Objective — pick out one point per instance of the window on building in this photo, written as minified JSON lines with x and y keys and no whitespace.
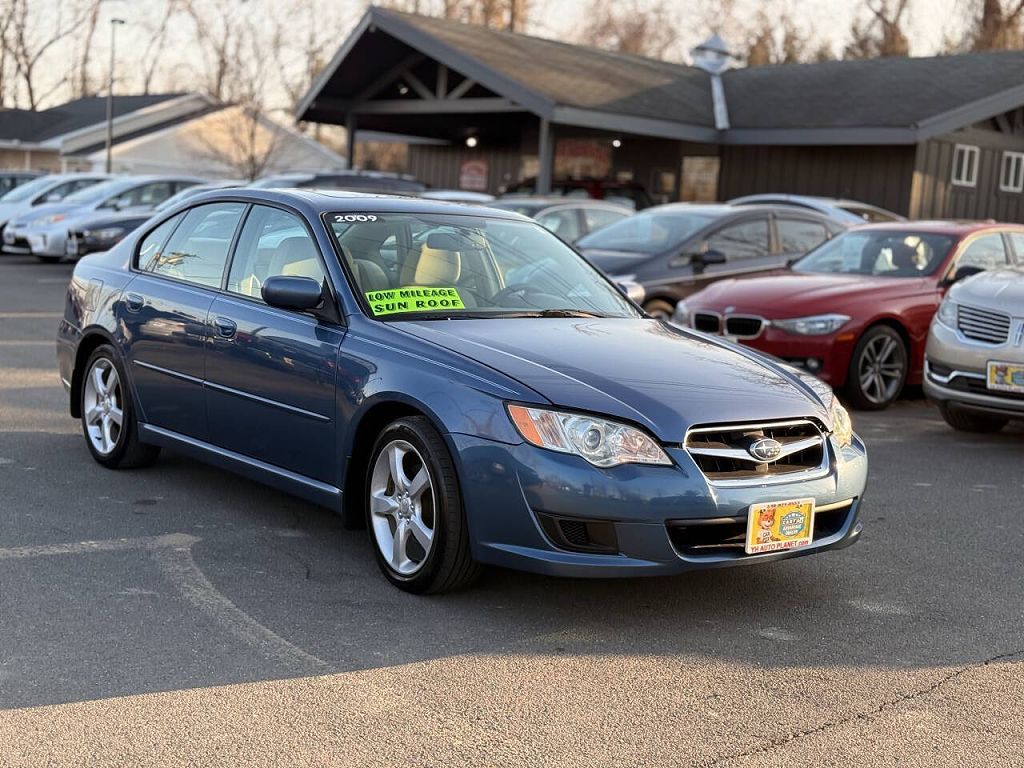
{"x":965,"y":165}
{"x":1011,"y":175}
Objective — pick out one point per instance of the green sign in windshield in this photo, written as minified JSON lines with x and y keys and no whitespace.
{"x":413,"y":299}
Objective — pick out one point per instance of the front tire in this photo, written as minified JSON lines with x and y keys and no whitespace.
{"x":49,"y":259}
{"x":108,"y":417}
{"x":659,"y":309}
{"x":878,"y":369}
{"x":414,"y":510}
{"x":967,"y":421}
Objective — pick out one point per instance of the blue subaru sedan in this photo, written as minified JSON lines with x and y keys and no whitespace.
{"x":457,"y":380}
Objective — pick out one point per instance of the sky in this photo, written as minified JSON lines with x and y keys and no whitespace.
{"x":830,"y":20}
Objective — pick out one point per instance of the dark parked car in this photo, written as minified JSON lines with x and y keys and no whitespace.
{"x":850,"y":211}
{"x":370,"y":182}
{"x":674,"y":250}
{"x":627,"y":193}
{"x":855,"y":312}
{"x":569,"y":219}
{"x":101,"y":232}
{"x":498,"y":402}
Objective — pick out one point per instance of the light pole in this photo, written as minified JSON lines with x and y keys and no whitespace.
{"x":114,"y":23}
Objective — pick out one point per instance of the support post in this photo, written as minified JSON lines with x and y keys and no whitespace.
{"x":545,"y":157}
{"x":350,"y":139}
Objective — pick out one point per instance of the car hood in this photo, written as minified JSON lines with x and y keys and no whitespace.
{"x":785,"y":295}
{"x":639,"y":370}
{"x":615,"y":262}
{"x":1001,"y":290}
{"x":8,"y":210}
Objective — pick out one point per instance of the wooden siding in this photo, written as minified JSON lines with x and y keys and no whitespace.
{"x":936,"y":197}
{"x":878,"y":175}
{"x":439,"y":166}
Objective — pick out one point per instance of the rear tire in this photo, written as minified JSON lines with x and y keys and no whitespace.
{"x":659,"y":309}
{"x":108,"y":416}
{"x":878,"y":369}
{"x":413,"y":498}
{"x":49,"y":259}
{"x":968,"y":421}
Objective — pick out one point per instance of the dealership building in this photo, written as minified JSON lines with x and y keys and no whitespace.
{"x":482,"y":108}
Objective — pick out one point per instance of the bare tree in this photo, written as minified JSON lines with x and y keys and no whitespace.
{"x":30,"y":36}
{"x":511,"y":15}
{"x":779,"y":40}
{"x":219,"y":33}
{"x":997,"y":26}
{"x":152,"y":55}
{"x":629,"y":27}
{"x":882,"y":33}
{"x":82,"y":83}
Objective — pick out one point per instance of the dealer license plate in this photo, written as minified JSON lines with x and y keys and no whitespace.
{"x":778,"y":525}
{"x":1005,"y":377}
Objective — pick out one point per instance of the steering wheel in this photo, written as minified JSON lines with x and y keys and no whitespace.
{"x":521,"y":289}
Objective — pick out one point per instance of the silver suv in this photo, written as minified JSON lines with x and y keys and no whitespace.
{"x":974,"y":362}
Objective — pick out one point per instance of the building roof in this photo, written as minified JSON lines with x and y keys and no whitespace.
{"x":28,"y":126}
{"x":879,"y":101}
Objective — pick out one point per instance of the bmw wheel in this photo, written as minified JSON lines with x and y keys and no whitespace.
{"x":108,"y":417}
{"x":659,"y":309}
{"x":878,"y":369}
{"x":414,"y":510}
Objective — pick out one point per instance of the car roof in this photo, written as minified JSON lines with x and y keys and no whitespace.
{"x":946,"y":227}
{"x":314,"y":202}
{"x":553,"y":200}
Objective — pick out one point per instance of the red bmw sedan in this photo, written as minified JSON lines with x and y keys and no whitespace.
{"x":855,"y":311}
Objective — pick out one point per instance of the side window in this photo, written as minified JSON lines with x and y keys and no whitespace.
{"x":198,"y":249}
{"x":152,"y":194}
{"x":798,"y":236}
{"x":273,"y":242}
{"x":152,"y":244}
{"x":744,"y":240}
{"x":986,"y":252}
{"x":1017,"y":238}
{"x":564,"y":223}
{"x":601,"y":217}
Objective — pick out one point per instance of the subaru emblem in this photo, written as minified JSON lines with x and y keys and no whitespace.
{"x":766,"y":449}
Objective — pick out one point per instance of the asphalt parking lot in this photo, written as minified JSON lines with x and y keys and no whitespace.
{"x":182,"y":616}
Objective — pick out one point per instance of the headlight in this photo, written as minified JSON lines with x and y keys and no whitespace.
{"x":113,"y":233}
{"x":842,"y":426}
{"x":947,"y":314}
{"x":681,"y":314}
{"x":601,"y":442}
{"x":53,"y":218}
{"x":815,"y":325}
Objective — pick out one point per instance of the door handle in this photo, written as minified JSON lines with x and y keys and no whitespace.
{"x":133,"y":302}
{"x":225,"y":327}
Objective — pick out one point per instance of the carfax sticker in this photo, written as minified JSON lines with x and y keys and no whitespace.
{"x":413,"y":299}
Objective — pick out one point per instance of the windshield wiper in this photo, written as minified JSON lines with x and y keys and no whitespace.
{"x":512,"y":313}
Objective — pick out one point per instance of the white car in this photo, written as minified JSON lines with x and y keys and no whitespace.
{"x":45,"y":228}
{"x":974,"y":362}
{"x":52,"y":188}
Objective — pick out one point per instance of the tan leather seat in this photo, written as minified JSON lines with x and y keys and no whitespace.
{"x":433,"y":266}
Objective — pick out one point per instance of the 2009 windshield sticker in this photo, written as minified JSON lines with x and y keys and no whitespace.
{"x":413,"y":299}
{"x":349,"y":218}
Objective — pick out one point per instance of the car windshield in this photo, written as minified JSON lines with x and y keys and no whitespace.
{"x":430,"y":266}
{"x":25,"y":191}
{"x":647,"y":232}
{"x":888,"y":253}
{"x":97,"y":192}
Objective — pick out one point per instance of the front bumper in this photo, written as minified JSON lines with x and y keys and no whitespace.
{"x":506,"y":488}
{"x":956,"y":372}
{"x":15,"y":241}
{"x":47,"y":241}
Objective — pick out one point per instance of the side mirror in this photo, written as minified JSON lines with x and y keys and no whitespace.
{"x":300,"y":294}
{"x":963,"y":273}
{"x":633,"y":290}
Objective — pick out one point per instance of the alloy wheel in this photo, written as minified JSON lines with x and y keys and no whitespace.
{"x":880,"y":369}
{"x":402,"y":507}
{"x":103,"y":406}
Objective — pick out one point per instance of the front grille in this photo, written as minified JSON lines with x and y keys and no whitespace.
{"x":979,"y":387}
{"x":743,"y":327}
{"x":707,"y":322}
{"x":983,"y":325}
{"x":727,"y":535}
{"x":723,"y":452}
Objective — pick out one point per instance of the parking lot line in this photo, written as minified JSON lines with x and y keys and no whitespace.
{"x":110,"y":545}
